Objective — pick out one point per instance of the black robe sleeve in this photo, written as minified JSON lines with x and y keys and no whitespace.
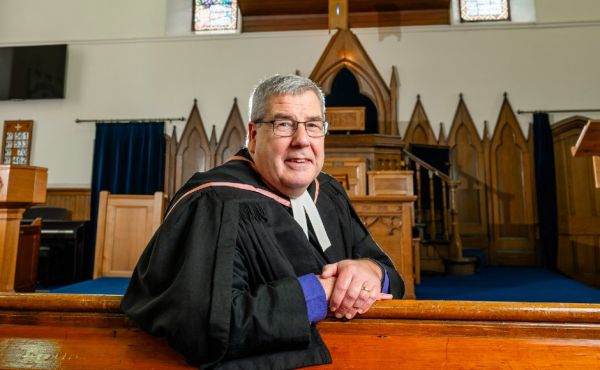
{"x":184,"y":275}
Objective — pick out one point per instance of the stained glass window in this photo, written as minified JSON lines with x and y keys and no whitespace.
{"x":215,"y":15}
{"x":484,"y":10}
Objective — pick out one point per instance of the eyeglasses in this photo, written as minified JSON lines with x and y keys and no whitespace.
{"x":288,"y":127}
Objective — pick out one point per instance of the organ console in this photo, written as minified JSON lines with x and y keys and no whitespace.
{"x":63,"y":255}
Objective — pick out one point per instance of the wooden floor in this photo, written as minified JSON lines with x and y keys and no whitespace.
{"x":45,"y":331}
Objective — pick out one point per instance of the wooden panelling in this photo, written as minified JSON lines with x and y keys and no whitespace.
{"x":467,"y":165}
{"x":390,"y":183}
{"x":383,"y":152}
{"x":261,"y":16}
{"x":351,"y":172}
{"x":345,"y":118}
{"x":125,"y":225}
{"x":76,"y":200}
{"x":47,"y":331}
{"x":389,"y":221}
{"x":578,"y":203}
{"x":512,"y":220}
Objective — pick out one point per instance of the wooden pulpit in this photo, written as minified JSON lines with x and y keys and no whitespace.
{"x":588,"y":144}
{"x":20,"y":186}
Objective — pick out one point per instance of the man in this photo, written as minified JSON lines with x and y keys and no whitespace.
{"x":251,"y":254}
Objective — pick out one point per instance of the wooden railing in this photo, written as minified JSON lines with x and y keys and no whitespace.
{"x":449,"y":218}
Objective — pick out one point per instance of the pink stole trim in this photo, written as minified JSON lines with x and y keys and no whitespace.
{"x":236,"y":185}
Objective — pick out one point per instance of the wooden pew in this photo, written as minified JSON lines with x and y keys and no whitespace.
{"x":46,"y":331}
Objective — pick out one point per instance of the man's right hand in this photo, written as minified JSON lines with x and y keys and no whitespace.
{"x":356,"y":287}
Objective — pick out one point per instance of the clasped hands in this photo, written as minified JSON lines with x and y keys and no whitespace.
{"x":352,"y":286}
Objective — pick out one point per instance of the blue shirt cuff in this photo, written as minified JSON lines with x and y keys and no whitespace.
{"x":314,"y":294}
{"x":385,"y":284}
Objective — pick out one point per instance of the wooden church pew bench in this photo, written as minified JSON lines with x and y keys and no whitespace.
{"x":46,"y":331}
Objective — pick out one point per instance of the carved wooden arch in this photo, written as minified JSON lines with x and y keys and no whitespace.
{"x":512,"y":222}
{"x":345,"y":51}
{"x":419,"y":129}
{"x":233,"y":137}
{"x":467,"y":158}
{"x":194,"y":152}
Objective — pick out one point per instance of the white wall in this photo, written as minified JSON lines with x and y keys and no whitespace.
{"x":567,"y":11}
{"x":122,"y":64}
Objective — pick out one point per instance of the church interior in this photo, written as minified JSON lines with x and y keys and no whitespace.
{"x":469,"y":144}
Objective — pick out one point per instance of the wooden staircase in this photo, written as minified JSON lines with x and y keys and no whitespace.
{"x":436,"y":221}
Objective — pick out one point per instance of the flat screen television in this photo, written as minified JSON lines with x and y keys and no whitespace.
{"x":33,"y":72}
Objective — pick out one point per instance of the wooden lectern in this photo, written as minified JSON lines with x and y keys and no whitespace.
{"x":20,"y":186}
{"x":588,"y":144}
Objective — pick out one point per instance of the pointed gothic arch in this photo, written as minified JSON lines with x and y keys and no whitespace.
{"x":345,"y":51}
{"x":419,"y":129}
{"x":194,"y":152}
{"x":233,"y":137}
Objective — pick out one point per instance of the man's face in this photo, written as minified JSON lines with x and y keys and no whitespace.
{"x":289,"y":164}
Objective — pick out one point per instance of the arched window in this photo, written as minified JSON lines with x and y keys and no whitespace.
{"x":215,"y":15}
{"x":484,"y":10}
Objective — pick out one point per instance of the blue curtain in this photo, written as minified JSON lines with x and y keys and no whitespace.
{"x":545,"y":179}
{"x":128,"y":159}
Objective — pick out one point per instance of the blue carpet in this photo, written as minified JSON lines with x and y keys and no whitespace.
{"x":521,"y":284}
{"x":98,"y":286}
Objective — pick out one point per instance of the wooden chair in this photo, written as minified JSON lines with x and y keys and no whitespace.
{"x":27,"y":256}
{"x":125,"y":225}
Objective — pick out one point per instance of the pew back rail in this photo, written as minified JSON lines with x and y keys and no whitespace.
{"x":90,"y":332}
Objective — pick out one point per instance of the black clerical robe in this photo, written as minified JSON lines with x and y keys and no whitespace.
{"x":219,"y":277}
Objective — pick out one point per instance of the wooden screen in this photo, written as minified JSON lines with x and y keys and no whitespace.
{"x":467,"y":165}
{"x":233,"y":137}
{"x":194,"y":151}
{"x":512,"y":217}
